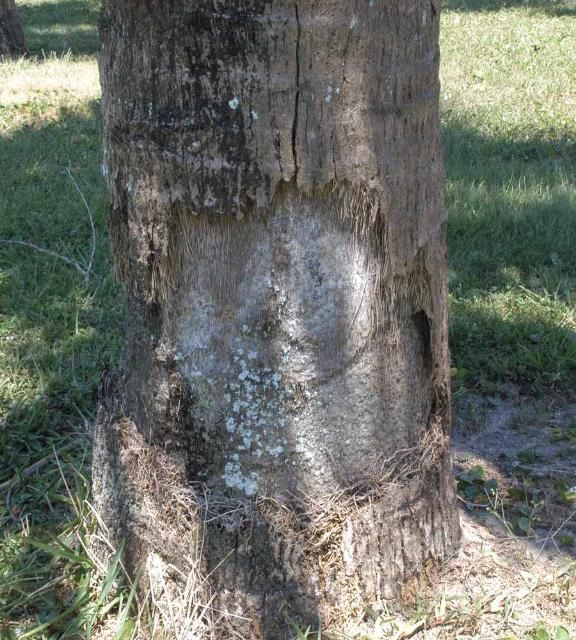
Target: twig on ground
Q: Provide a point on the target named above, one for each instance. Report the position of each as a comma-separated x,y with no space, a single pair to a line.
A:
412,630
473,505
9,484
31,245
84,271
553,535
92,227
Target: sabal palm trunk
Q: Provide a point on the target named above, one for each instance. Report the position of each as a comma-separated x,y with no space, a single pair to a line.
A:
277,218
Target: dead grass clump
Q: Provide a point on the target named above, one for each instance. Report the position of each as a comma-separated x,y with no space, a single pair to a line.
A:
164,521
159,514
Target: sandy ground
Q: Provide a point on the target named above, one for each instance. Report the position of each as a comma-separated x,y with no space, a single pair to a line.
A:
503,584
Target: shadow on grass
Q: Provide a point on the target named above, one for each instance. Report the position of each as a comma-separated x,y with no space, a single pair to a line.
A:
512,257
550,7
56,332
525,346
512,208
57,26
56,336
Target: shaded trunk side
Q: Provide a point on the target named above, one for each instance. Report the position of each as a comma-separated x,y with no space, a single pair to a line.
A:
12,42
277,216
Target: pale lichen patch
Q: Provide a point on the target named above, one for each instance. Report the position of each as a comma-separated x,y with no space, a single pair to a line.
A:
255,408
235,479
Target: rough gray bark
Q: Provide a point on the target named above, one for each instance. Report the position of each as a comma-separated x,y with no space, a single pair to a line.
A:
12,41
277,216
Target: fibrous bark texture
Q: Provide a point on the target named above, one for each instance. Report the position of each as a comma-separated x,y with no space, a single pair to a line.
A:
276,178
11,35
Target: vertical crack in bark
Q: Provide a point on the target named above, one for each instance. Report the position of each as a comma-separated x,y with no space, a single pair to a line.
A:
297,98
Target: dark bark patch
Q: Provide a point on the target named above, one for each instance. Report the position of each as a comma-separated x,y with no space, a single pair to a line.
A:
422,323
12,41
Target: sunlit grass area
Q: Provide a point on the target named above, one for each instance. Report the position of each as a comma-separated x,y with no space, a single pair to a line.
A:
508,109
33,92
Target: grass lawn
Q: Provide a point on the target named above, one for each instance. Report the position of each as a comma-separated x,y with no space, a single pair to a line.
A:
509,116
58,328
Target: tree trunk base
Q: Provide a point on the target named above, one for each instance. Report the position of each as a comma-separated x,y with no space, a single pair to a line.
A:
12,41
217,566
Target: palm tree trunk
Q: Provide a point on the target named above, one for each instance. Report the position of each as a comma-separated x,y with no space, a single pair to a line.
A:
277,217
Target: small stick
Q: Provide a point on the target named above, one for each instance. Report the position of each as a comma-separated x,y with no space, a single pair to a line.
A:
89,212
552,536
411,631
473,505
30,245
85,272
9,484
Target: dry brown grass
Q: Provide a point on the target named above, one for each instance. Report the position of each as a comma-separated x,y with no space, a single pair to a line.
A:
496,588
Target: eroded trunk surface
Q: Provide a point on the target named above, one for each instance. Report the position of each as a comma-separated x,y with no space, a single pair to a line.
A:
277,216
